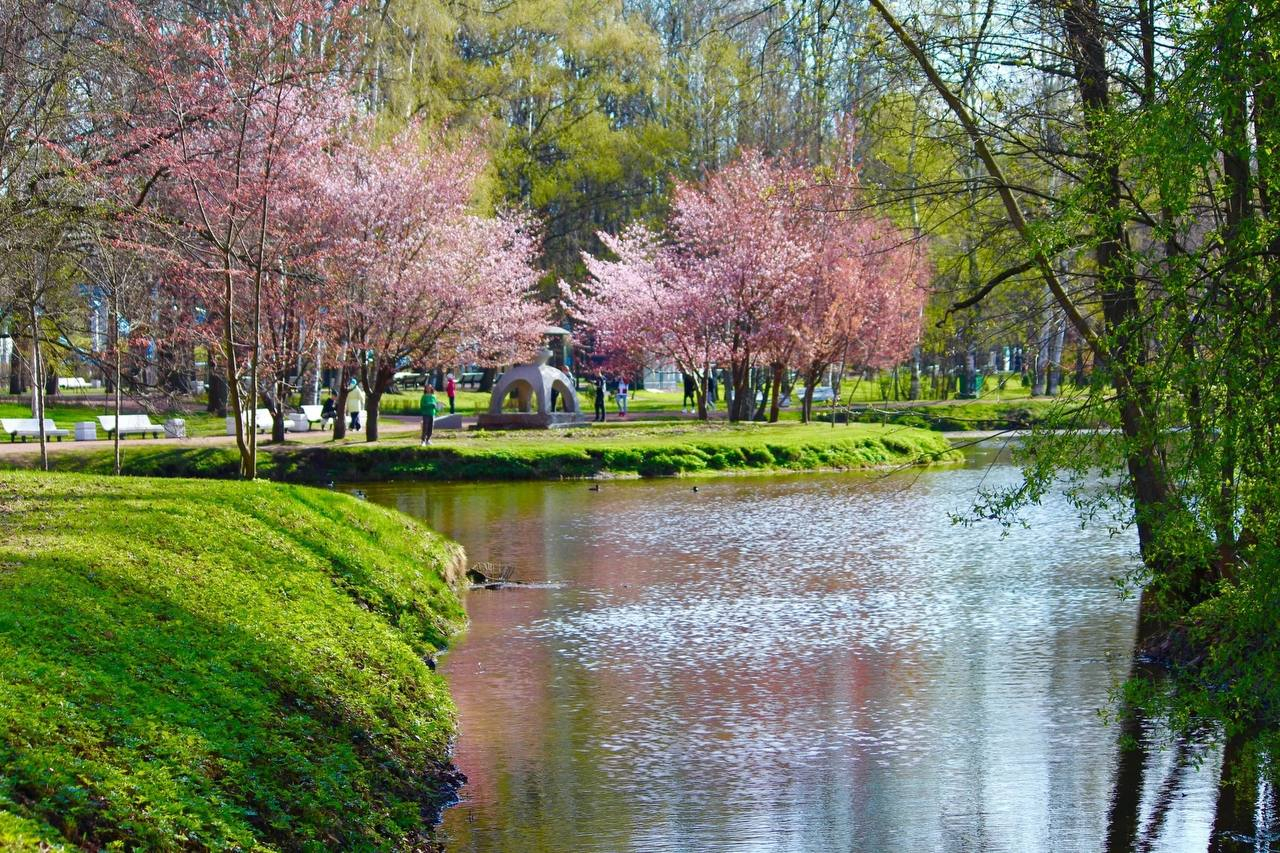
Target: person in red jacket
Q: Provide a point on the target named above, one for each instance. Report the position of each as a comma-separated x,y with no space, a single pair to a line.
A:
450,389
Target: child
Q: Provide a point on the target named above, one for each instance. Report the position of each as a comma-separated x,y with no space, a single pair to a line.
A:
427,407
450,389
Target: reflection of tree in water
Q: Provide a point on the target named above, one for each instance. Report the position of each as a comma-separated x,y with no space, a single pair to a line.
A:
1245,816
1156,771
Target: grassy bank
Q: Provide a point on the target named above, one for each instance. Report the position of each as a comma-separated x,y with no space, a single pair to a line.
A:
198,665
641,449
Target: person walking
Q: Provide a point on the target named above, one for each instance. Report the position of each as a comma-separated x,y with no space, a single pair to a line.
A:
427,407
622,397
689,401
450,391
355,402
599,384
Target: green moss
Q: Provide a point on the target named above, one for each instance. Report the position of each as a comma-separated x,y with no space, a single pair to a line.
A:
193,664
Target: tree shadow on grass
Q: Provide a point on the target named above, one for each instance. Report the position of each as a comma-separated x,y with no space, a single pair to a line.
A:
136,715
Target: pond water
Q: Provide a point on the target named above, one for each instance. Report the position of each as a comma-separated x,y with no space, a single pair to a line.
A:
794,663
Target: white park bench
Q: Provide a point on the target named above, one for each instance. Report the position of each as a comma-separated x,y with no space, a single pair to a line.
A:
72,382
312,414
261,421
130,424
30,428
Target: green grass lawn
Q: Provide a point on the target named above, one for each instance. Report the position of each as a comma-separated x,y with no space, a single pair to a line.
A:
640,448
468,402
648,401
1070,412
66,408
200,665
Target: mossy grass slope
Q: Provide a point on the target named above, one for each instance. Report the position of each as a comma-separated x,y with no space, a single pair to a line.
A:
216,665
643,449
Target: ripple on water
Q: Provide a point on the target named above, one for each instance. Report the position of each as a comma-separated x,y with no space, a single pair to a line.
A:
786,664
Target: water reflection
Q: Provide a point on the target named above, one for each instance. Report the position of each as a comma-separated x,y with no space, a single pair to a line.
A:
796,664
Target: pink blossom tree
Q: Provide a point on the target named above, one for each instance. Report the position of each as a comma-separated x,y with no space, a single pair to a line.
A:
299,301
717,290
424,280
227,110
738,245
861,298
765,266
644,305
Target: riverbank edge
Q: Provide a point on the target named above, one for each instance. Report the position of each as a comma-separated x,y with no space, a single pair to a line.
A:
215,665
710,454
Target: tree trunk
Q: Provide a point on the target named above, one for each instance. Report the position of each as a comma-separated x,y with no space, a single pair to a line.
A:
775,392
235,407
313,377
15,368
914,393
1119,289
1053,381
740,374
970,389
810,382
1043,352
761,380
372,403
254,363
340,412
37,387
702,390
114,319
217,393
371,415
277,413
486,380
382,379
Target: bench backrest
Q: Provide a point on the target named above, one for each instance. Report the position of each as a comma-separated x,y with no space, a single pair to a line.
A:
26,425
127,422
312,413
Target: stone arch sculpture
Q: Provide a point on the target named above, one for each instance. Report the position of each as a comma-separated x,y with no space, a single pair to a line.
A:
533,385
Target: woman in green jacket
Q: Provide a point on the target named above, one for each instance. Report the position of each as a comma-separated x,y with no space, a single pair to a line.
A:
428,408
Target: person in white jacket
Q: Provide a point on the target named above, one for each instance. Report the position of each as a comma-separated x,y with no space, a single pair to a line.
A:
355,404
